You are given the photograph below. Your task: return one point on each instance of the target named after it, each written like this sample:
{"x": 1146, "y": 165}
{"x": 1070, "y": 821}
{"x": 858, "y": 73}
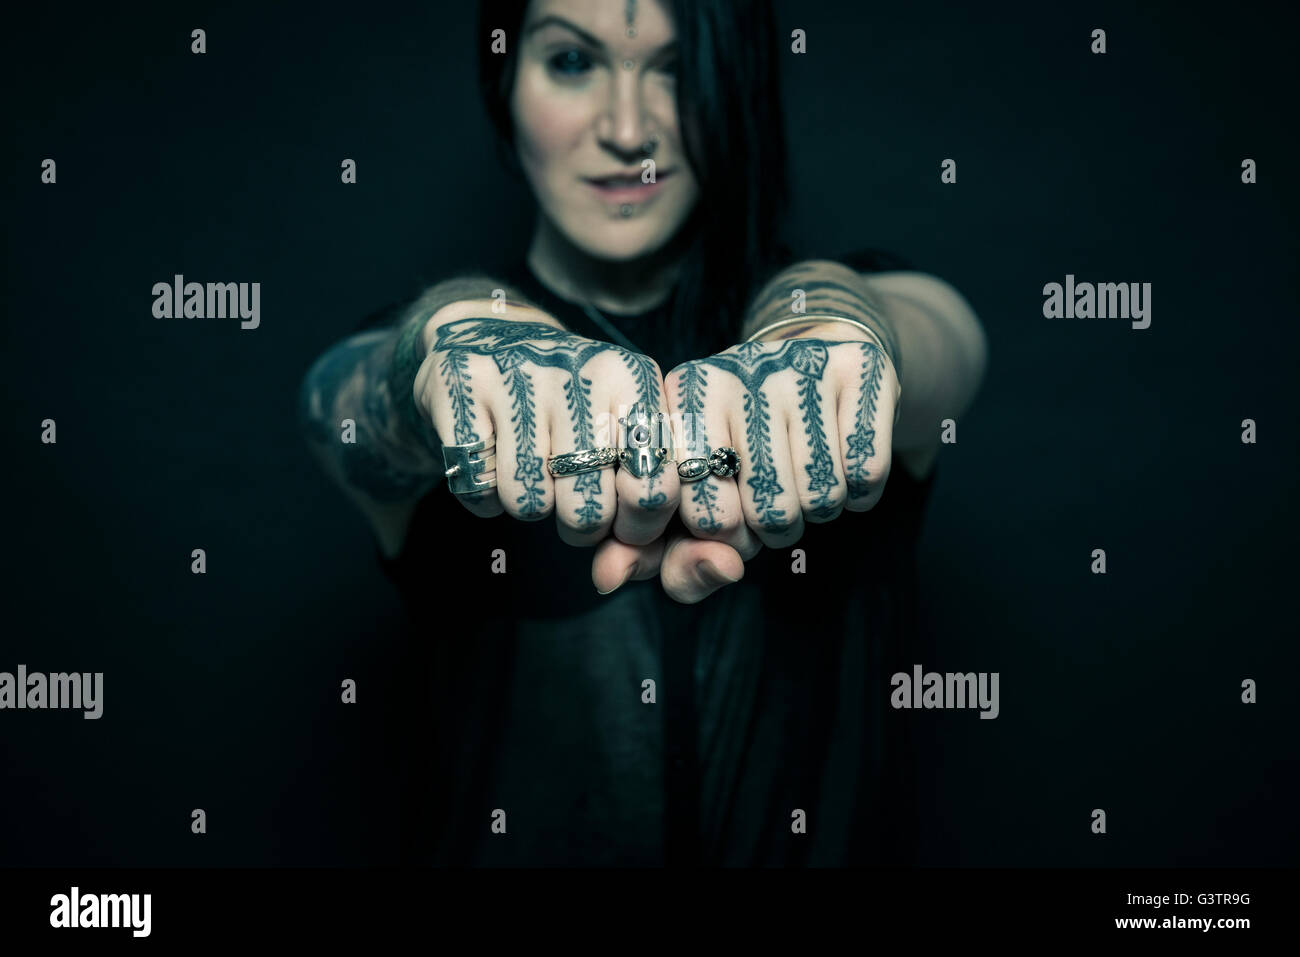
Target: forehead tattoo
{"x": 630, "y": 11}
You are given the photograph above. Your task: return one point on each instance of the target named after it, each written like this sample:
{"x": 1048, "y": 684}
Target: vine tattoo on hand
{"x": 753, "y": 363}
{"x": 515, "y": 347}
{"x": 862, "y": 443}
{"x": 695, "y": 378}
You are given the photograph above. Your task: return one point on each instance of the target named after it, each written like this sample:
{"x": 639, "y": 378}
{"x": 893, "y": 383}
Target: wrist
{"x": 831, "y": 292}
{"x": 408, "y": 355}
{"x": 829, "y": 328}
{"x": 814, "y": 327}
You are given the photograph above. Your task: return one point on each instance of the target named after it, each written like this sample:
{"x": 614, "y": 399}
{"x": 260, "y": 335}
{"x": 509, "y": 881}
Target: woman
{"x": 720, "y": 695}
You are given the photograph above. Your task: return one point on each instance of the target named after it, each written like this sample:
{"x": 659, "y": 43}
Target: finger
{"x": 815, "y": 447}
{"x": 710, "y": 506}
{"x": 647, "y": 483}
{"x": 585, "y": 503}
{"x": 866, "y": 419}
{"x": 645, "y": 504}
{"x": 694, "y": 568}
{"x": 769, "y": 493}
{"x": 445, "y": 388}
{"x": 525, "y": 487}
{"x": 615, "y": 563}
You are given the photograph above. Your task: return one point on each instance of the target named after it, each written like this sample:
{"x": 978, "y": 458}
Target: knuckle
{"x": 654, "y": 503}
{"x": 525, "y": 493}
{"x": 712, "y": 524}
{"x": 607, "y": 363}
{"x": 780, "y": 520}
{"x": 860, "y": 488}
{"x": 779, "y": 530}
{"x": 782, "y": 536}
{"x": 638, "y": 361}
{"x": 823, "y": 508}
{"x": 528, "y": 508}
{"x": 581, "y": 521}
{"x": 709, "y": 526}
{"x": 865, "y": 492}
{"x": 730, "y": 523}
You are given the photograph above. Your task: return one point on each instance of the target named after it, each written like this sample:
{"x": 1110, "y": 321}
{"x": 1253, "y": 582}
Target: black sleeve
{"x": 393, "y": 568}
{"x": 410, "y": 565}
{"x": 383, "y": 316}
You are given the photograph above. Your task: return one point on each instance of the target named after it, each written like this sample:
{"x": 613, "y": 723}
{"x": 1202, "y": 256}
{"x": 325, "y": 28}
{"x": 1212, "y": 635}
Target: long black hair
{"x": 733, "y": 131}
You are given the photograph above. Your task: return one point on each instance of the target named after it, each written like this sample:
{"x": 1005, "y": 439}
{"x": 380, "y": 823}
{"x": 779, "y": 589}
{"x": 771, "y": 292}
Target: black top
{"x": 771, "y": 696}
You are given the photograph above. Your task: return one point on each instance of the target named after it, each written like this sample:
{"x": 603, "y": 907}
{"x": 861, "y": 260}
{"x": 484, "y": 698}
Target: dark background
{"x": 221, "y": 691}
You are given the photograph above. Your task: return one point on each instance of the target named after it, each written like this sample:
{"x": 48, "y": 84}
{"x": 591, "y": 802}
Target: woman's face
{"x": 588, "y": 98}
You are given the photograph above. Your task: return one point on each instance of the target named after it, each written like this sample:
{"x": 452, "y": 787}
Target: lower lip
{"x": 628, "y": 194}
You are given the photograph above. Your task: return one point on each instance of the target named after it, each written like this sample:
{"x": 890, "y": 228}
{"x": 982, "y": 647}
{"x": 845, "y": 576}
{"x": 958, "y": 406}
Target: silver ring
{"x": 645, "y": 447}
{"x": 587, "y": 460}
{"x": 723, "y": 462}
{"x": 692, "y": 470}
{"x": 462, "y": 470}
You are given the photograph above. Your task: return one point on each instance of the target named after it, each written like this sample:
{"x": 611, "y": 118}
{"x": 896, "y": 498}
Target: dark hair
{"x": 733, "y": 131}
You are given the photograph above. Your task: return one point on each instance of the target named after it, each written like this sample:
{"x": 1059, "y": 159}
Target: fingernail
{"x": 712, "y": 575}
{"x": 626, "y": 576}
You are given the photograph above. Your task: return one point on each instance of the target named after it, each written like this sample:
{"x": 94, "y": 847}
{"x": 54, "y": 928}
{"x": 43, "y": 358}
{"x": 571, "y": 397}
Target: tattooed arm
{"x": 387, "y": 459}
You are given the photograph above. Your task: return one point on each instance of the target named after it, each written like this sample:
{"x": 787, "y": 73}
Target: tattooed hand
{"x": 812, "y": 420}
{"x": 537, "y": 390}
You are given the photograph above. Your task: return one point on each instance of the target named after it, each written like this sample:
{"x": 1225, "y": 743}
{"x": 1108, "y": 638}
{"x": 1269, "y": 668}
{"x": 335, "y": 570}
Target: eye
{"x": 669, "y": 67}
{"x": 571, "y": 62}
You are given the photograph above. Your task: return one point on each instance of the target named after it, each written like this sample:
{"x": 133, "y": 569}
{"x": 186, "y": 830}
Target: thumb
{"x": 616, "y": 562}
{"x": 692, "y": 568}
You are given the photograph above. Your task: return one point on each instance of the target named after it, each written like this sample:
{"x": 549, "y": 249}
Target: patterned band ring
{"x": 723, "y": 462}
{"x": 587, "y": 460}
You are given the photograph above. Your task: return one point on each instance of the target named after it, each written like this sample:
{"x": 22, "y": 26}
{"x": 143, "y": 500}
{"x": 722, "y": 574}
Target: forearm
{"x": 797, "y": 295}
{"x": 387, "y": 453}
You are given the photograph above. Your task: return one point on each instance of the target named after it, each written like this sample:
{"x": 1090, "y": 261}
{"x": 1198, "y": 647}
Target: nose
{"x": 623, "y": 127}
